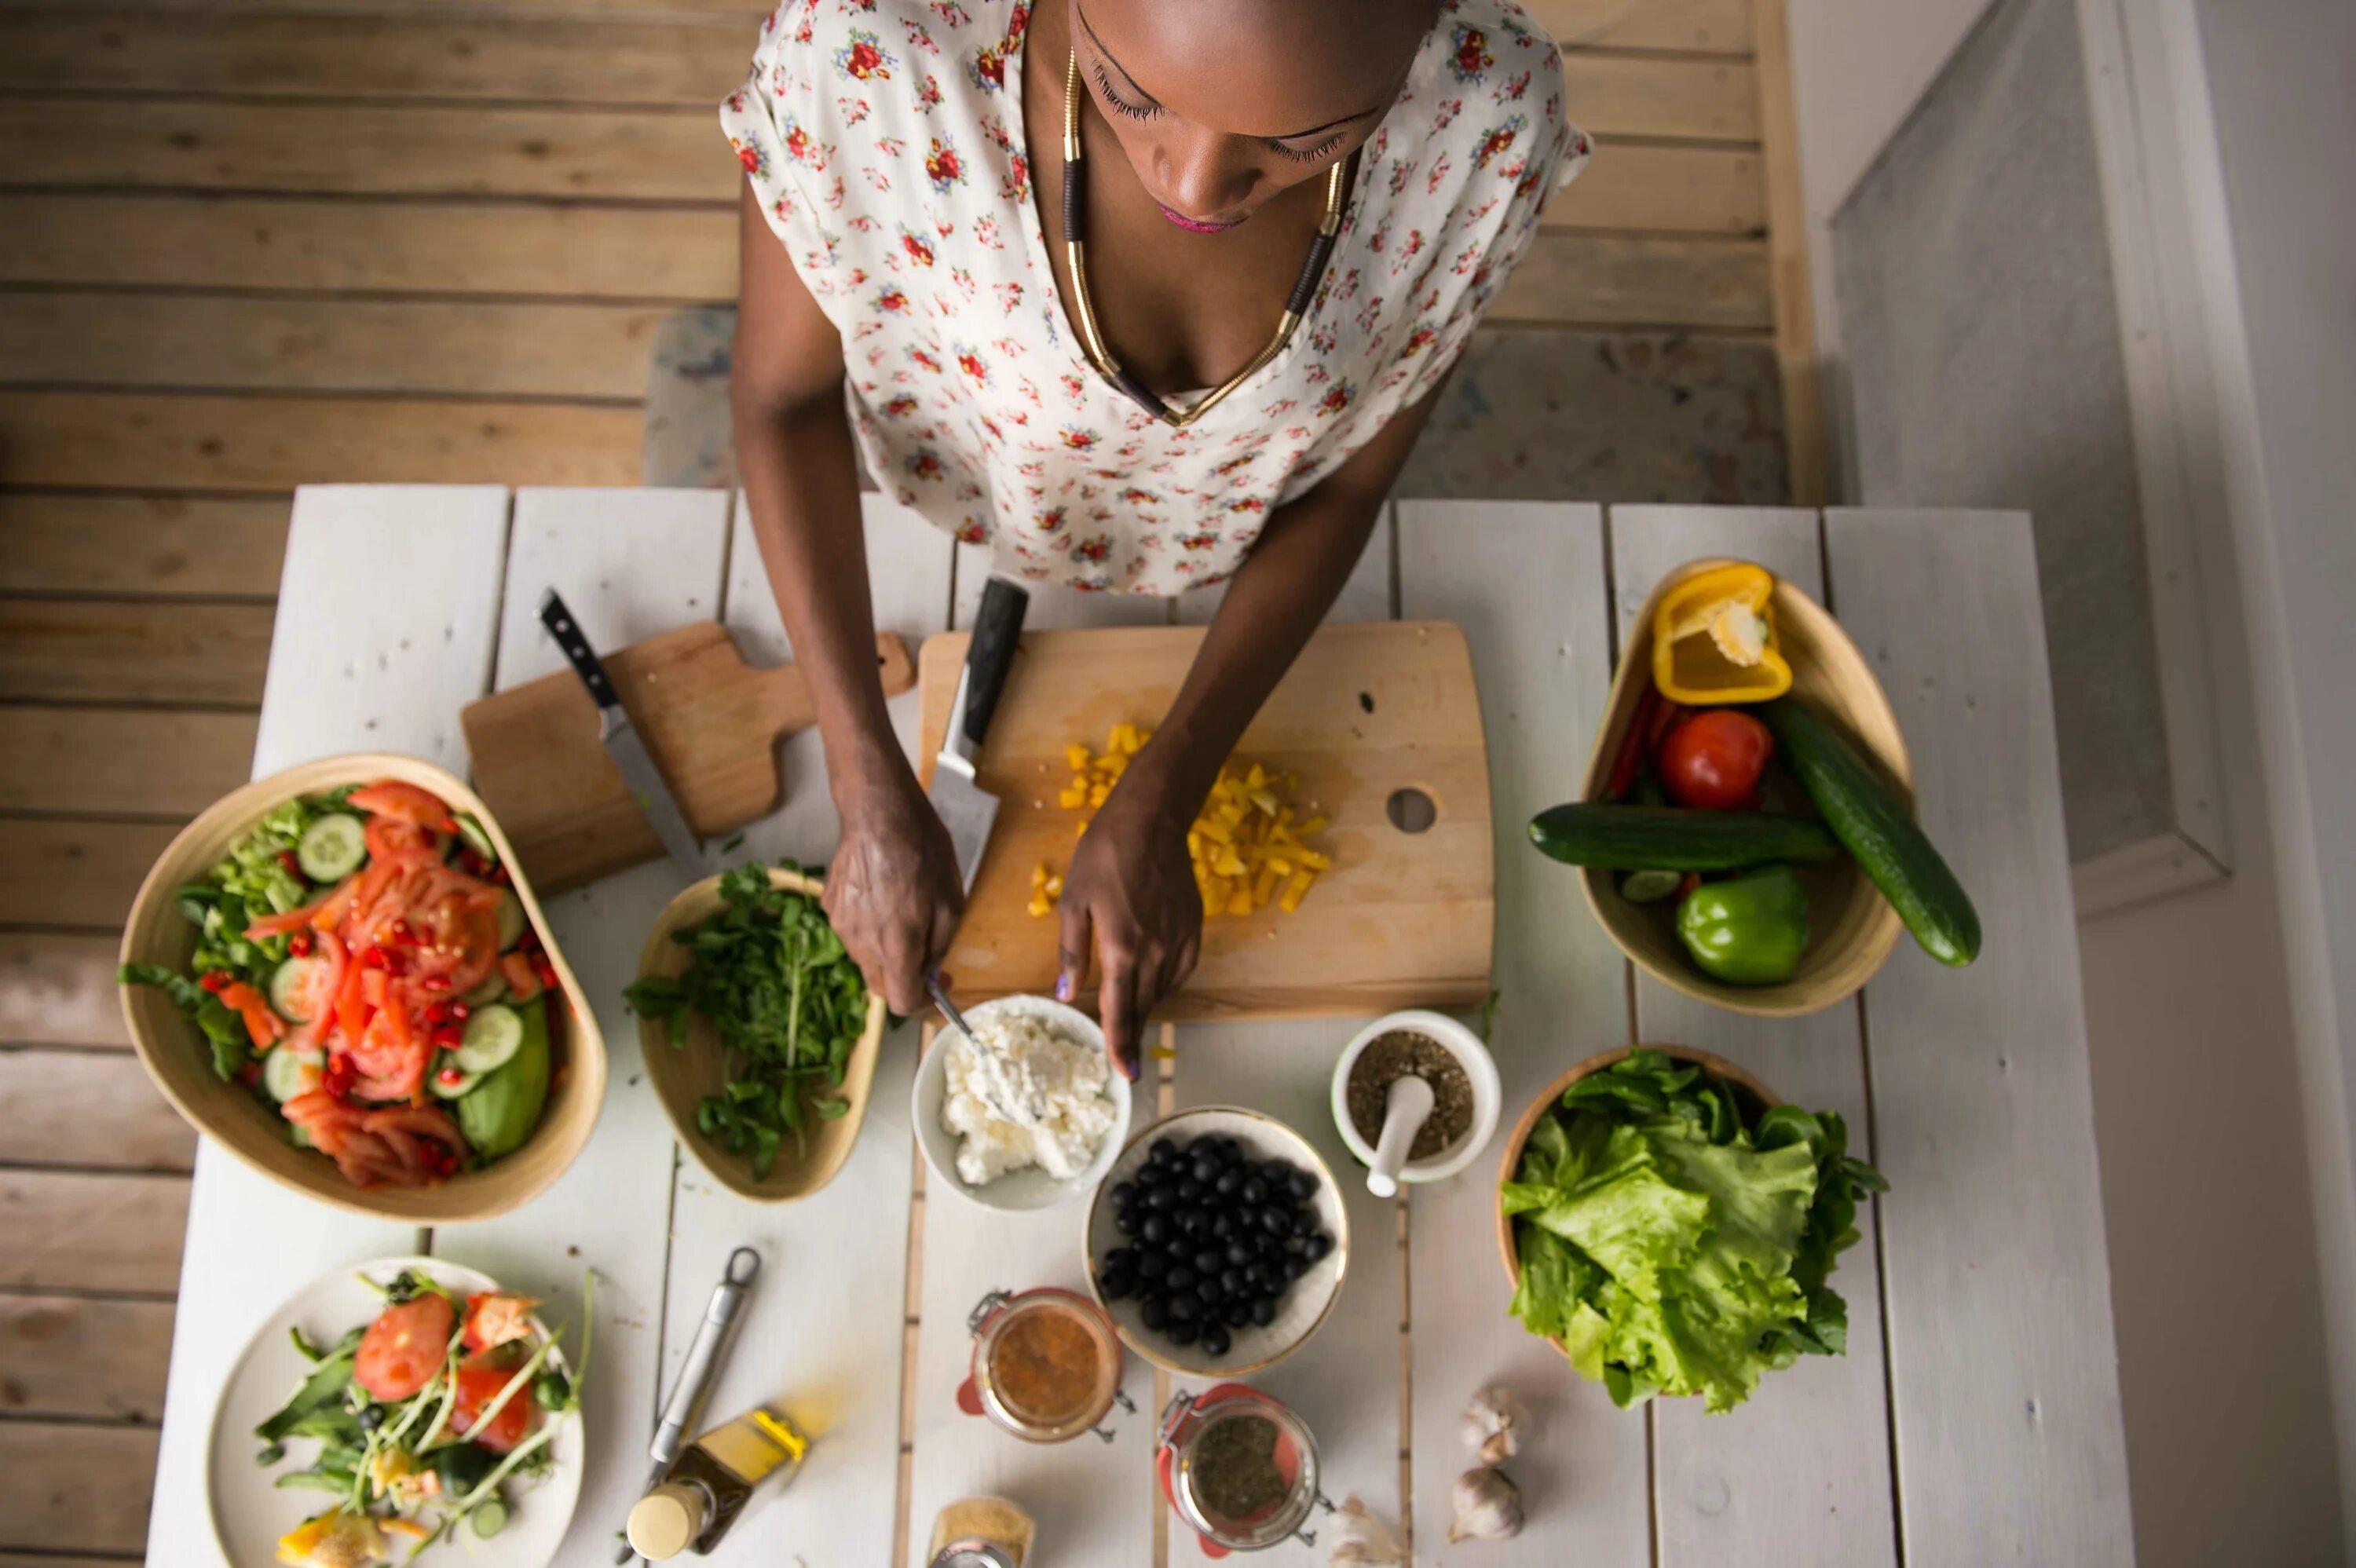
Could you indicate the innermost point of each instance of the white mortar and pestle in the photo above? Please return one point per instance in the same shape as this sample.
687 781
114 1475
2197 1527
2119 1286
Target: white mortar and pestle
1411 1099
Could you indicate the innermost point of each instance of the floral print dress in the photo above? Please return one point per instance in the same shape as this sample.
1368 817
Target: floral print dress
884 140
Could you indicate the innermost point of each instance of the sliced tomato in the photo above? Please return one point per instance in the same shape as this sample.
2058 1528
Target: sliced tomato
405 1347
394 841
496 1318
389 1058
404 803
481 1376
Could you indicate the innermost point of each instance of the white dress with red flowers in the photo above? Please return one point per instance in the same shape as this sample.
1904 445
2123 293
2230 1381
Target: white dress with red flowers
884 140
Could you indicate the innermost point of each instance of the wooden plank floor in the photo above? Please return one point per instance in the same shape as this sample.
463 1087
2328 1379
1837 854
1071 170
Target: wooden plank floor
247 244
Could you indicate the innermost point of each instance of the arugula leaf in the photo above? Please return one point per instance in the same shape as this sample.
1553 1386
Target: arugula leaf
220 1025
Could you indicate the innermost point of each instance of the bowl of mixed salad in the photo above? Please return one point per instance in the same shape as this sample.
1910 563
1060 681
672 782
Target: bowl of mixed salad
338 972
406 1408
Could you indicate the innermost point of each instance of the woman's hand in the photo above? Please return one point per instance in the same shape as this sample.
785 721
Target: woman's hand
893 892
1130 889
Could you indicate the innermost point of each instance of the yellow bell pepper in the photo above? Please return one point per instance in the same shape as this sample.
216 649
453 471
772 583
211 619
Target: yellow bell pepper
1714 639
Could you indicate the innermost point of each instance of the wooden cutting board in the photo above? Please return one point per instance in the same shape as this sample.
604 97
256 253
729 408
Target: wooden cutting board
711 722
1402 919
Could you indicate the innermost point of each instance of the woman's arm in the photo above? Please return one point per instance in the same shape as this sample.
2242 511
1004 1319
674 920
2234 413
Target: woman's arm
892 890
1131 885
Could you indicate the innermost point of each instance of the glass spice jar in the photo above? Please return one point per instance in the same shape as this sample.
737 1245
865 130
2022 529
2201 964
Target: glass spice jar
1046 1365
981 1533
1240 1468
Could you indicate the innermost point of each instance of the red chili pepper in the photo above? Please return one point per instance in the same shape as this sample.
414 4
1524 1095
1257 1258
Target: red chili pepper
545 973
250 1074
299 944
436 982
458 1010
437 1012
216 981
448 1036
401 931
339 1077
499 875
291 861
448 1077
1635 748
393 961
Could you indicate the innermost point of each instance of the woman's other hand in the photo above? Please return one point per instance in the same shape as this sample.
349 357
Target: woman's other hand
893 892
1129 892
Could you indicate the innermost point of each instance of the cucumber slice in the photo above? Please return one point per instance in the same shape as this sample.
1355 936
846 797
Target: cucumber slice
1649 886
489 1517
493 1034
492 989
511 920
292 985
476 837
466 1083
286 1073
332 848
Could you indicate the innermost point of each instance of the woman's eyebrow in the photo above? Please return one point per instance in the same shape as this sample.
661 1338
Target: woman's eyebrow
1136 87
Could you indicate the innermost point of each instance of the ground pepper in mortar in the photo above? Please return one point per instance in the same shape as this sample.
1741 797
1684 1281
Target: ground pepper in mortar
1395 1056
1234 1471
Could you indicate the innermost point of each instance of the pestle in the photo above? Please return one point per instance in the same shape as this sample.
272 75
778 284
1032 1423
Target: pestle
1404 1113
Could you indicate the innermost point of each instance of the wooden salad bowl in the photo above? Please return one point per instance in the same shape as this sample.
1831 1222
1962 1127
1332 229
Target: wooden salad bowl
1717 1067
1851 927
685 1075
178 1059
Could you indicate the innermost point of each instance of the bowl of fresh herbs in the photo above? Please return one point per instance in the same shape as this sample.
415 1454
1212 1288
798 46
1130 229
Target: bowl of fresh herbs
758 1032
1671 1226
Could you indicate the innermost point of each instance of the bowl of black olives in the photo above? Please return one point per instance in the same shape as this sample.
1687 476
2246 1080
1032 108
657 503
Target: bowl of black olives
1217 1242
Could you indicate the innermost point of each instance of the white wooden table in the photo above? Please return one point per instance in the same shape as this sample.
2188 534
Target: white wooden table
1974 1420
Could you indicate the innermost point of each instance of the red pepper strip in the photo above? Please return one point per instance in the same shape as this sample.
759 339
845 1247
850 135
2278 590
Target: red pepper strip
1633 747
1664 719
263 1027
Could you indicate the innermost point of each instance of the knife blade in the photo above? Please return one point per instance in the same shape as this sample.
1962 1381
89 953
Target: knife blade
622 742
965 808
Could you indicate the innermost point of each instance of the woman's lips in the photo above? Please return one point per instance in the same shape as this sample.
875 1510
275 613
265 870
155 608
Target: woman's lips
1196 225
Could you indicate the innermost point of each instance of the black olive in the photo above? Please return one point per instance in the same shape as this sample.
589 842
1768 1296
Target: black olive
1154 1313
1223 1225
371 1417
1211 1291
1237 1312
1151 1266
1182 1331
1157 1228
1257 1272
1296 1244
1182 1276
1124 1193
1206 1168
1230 1151
1295 1266
1276 1172
1163 1152
1228 1184
1183 1308
1215 1339
1190 1191
1125 1222
1150 1176
1240 1253
1234 1279
1120 1257
1319 1246
1275 1222
1118 1286
1304 1222
1263 1310
1303 1185
1253 1190
1162 1200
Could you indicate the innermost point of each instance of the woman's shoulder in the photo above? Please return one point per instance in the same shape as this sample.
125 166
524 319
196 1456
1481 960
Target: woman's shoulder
820 51
1486 95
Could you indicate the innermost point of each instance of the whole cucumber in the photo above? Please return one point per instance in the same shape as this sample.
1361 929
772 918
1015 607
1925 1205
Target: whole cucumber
1663 839
1876 828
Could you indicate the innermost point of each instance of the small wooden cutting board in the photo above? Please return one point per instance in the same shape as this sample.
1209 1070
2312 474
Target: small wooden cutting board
711 722
1404 919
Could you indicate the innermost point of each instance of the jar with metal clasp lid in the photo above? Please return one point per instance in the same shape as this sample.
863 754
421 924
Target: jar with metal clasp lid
1046 1365
1240 1468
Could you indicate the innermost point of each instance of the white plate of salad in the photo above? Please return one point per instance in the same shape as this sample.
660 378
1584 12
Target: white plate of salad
398 1408
363 964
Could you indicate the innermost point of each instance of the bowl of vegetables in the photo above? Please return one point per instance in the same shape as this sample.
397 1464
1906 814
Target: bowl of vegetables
1746 828
340 973
1670 1226
758 1030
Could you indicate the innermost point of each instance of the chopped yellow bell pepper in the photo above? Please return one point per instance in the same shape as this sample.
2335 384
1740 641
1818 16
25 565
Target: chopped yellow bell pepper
1714 638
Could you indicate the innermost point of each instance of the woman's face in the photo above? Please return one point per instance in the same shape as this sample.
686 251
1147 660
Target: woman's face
1220 104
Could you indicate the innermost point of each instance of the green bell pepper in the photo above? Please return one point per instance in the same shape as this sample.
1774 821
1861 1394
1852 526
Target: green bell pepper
1748 929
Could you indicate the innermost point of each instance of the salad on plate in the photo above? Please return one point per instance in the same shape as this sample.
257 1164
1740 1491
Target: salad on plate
432 1416
364 965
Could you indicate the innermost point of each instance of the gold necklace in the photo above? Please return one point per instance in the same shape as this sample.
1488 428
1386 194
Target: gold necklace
1100 355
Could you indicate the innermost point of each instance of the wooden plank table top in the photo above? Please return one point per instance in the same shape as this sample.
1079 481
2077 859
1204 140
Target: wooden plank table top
1976 1418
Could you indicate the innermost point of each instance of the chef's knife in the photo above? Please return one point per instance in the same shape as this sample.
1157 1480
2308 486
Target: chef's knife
966 809
620 738
684 1410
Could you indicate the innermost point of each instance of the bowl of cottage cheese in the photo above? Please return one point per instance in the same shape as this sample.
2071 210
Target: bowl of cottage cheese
1028 1114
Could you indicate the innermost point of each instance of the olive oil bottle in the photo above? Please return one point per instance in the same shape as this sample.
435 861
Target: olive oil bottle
711 1483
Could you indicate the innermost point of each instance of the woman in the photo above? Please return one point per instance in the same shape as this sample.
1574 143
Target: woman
1160 422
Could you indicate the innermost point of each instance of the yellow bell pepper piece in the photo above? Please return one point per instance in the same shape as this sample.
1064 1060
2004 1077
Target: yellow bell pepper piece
1715 640
1077 758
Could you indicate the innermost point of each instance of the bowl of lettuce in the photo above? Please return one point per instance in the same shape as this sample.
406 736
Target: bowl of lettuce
1671 1226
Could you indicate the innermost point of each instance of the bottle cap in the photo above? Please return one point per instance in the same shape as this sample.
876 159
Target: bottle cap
666 1521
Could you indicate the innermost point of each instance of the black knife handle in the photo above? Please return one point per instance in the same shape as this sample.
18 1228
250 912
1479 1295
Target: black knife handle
576 649
997 627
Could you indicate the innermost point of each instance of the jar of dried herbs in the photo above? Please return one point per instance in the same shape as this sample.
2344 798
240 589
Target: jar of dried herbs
1239 1468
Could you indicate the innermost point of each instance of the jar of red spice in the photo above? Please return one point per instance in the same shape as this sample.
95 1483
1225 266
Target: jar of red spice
1240 1468
1046 1365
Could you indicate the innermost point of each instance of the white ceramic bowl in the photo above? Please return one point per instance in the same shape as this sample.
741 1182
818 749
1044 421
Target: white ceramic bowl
1018 1191
1488 1096
1306 1306
248 1513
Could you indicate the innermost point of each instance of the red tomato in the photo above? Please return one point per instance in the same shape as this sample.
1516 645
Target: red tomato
480 1379
1713 759
403 1348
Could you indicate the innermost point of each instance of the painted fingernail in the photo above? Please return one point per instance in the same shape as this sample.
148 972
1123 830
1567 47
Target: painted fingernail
1131 1067
1063 987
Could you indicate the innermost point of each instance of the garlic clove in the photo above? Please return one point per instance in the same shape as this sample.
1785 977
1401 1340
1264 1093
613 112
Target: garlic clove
1360 1540
1494 1424
1488 1507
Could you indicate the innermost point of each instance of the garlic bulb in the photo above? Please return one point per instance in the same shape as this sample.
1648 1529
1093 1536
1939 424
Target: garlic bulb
1488 1507
1361 1541
1495 1424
